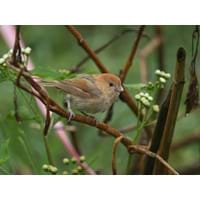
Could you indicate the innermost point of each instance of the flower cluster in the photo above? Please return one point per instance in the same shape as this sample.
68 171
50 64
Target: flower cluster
162 77
50 168
25 53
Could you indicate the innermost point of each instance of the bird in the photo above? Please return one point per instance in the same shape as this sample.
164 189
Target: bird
88 93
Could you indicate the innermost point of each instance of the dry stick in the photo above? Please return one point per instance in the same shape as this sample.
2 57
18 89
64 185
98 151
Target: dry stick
101 48
190 139
157 135
177 89
129 62
115 144
138 149
54 107
125 96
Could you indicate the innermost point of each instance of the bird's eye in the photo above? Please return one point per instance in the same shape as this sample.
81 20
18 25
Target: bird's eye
110 84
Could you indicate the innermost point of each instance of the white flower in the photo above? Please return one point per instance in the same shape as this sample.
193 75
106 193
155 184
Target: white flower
27 50
145 101
156 108
157 72
162 80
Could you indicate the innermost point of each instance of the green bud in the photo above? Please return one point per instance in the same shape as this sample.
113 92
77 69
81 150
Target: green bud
82 158
73 160
53 169
156 108
137 97
74 171
45 167
80 169
65 173
66 161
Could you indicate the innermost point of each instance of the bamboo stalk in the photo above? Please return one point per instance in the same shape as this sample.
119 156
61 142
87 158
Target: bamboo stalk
177 88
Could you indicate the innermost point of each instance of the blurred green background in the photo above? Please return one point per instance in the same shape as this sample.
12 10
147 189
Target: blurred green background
54 47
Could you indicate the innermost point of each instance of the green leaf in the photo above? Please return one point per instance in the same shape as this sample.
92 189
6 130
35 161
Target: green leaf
4 156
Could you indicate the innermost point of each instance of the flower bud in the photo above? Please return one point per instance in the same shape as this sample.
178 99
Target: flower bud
137 97
73 160
65 172
162 80
156 108
74 171
145 102
157 72
45 167
80 169
27 50
66 161
82 158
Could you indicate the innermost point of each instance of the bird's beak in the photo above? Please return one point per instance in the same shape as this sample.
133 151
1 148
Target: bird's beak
121 89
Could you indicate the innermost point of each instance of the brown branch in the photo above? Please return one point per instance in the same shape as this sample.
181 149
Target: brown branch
190 139
82 42
129 62
139 149
115 144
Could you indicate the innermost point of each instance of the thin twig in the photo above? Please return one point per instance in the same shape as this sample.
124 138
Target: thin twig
82 42
114 149
129 62
138 149
101 48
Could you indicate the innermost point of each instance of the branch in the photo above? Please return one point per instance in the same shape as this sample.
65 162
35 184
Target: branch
138 149
129 62
101 48
82 42
115 144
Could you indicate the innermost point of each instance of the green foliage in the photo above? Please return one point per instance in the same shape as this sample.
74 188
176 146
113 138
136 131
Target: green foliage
4 154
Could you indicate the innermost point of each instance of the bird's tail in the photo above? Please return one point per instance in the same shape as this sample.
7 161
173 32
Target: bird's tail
45 83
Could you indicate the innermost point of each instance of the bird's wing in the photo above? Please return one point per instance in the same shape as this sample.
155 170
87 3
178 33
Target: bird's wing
84 87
